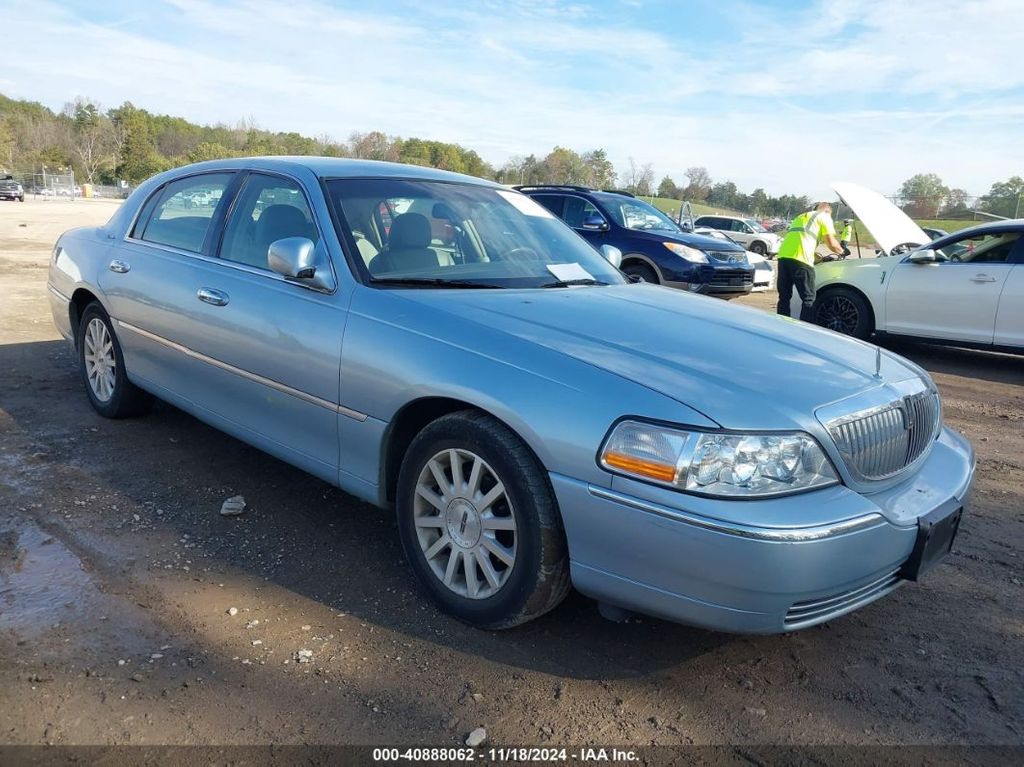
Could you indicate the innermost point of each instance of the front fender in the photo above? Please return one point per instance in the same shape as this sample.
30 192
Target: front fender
396 352
870 277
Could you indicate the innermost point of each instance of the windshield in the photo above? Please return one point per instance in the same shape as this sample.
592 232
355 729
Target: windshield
755 225
437 234
637 214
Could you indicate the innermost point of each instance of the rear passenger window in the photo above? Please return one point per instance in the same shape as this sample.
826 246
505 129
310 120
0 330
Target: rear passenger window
552 202
181 218
268 208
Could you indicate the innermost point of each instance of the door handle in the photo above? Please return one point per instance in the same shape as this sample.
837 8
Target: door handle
982 278
211 296
121 267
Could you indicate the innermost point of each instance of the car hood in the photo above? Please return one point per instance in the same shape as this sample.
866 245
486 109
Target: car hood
740 367
889 225
701 241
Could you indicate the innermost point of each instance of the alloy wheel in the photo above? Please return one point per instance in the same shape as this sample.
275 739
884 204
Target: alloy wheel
465 524
100 362
838 313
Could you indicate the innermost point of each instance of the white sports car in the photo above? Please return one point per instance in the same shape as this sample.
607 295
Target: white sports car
965 289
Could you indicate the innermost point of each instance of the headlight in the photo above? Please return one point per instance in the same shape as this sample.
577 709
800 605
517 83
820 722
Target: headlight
716 463
690 254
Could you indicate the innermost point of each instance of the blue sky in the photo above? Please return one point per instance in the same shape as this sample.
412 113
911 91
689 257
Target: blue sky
782 95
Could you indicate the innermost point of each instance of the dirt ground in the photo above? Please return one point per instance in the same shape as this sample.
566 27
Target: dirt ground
131 611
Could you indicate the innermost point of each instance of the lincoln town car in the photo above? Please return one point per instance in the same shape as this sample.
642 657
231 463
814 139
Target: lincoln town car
446 348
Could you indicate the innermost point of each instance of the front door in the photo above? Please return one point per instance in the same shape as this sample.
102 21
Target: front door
956 297
271 347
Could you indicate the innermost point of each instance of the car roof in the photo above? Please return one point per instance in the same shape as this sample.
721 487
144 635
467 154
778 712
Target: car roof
535 188
337 167
1006 225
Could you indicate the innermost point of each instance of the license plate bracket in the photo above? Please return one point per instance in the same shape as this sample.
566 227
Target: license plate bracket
935 534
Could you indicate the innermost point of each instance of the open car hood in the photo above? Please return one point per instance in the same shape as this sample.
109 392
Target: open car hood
889 225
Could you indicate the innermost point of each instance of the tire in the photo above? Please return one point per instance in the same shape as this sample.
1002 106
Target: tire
845 311
643 271
759 247
110 392
537 579
21 199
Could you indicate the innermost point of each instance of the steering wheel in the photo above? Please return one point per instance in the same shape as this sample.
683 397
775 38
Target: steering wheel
522 254
903 248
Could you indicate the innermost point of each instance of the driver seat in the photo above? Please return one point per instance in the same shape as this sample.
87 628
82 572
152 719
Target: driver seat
408 246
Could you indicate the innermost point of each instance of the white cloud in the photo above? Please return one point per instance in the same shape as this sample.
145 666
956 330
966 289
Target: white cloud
864 89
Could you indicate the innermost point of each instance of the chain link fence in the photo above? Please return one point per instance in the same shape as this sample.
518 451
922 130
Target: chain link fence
61 184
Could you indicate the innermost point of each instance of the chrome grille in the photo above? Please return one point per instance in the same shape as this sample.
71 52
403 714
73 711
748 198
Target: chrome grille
881 442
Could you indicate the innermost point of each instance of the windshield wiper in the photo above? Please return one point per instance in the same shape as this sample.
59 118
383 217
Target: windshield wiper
433 282
569 283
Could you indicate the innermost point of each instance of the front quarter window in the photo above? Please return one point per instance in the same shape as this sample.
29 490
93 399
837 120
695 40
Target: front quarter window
462 235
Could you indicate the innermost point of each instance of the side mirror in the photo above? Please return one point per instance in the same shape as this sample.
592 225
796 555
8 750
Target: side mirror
612 254
299 259
594 223
924 256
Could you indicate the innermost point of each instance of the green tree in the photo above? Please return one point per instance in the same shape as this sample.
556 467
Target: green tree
922 195
600 171
1005 198
757 202
564 166
723 194
668 188
138 158
210 151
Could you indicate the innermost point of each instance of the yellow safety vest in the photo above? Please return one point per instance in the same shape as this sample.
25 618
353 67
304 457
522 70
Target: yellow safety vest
847 234
801 238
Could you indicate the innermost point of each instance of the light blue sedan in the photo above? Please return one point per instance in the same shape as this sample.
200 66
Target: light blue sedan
444 346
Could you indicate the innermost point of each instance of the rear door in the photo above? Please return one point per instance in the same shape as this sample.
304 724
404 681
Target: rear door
149 283
957 298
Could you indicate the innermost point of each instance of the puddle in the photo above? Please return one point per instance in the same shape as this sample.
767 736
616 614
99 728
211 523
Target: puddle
43 585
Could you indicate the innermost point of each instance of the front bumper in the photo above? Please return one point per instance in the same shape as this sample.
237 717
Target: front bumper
766 566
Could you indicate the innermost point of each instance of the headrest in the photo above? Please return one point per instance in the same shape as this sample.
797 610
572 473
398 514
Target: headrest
409 230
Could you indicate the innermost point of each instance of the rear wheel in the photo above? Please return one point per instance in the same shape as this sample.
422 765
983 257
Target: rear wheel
844 311
642 272
479 523
102 364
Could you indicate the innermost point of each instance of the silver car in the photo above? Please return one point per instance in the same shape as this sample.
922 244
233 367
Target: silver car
444 346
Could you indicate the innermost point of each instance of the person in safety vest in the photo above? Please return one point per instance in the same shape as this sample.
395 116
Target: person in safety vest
847 236
796 257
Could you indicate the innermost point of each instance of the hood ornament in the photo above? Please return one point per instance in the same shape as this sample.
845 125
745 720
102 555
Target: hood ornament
878 362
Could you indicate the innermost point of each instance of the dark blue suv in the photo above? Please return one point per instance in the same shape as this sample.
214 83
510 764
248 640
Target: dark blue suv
654 248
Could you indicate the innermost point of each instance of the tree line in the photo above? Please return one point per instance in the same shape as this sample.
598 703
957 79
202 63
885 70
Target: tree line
925 196
130 143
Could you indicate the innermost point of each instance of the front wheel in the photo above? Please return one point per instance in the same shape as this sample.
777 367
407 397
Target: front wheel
759 247
102 364
479 523
642 272
844 311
